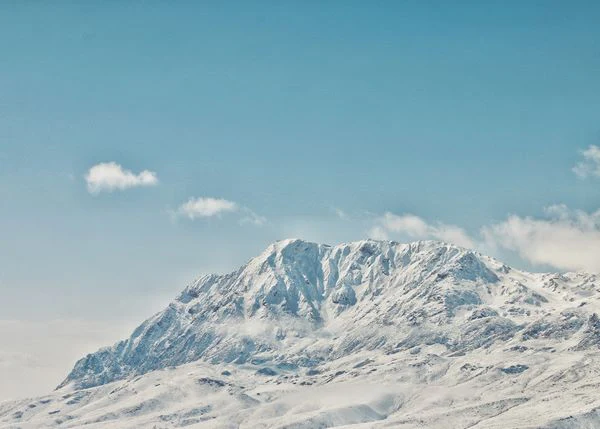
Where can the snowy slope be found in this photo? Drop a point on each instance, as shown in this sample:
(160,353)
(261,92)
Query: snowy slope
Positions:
(424,334)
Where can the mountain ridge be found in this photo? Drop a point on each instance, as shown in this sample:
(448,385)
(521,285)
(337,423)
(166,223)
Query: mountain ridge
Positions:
(297,288)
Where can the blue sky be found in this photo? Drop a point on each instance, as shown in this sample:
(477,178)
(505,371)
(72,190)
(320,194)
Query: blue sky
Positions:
(330,121)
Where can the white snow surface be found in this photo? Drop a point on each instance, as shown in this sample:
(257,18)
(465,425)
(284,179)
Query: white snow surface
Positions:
(358,335)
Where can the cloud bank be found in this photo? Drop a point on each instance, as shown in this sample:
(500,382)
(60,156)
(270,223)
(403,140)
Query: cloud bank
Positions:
(414,227)
(36,356)
(566,239)
(110,176)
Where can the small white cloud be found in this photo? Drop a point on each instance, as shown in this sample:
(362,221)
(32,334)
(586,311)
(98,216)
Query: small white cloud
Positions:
(412,226)
(206,207)
(110,176)
(566,239)
(590,166)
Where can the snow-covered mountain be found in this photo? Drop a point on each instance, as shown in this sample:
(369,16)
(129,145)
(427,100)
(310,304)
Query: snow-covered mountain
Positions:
(424,334)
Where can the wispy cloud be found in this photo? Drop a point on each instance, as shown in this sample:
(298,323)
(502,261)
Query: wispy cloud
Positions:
(414,227)
(207,207)
(590,165)
(340,213)
(252,218)
(566,239)
(110,176)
